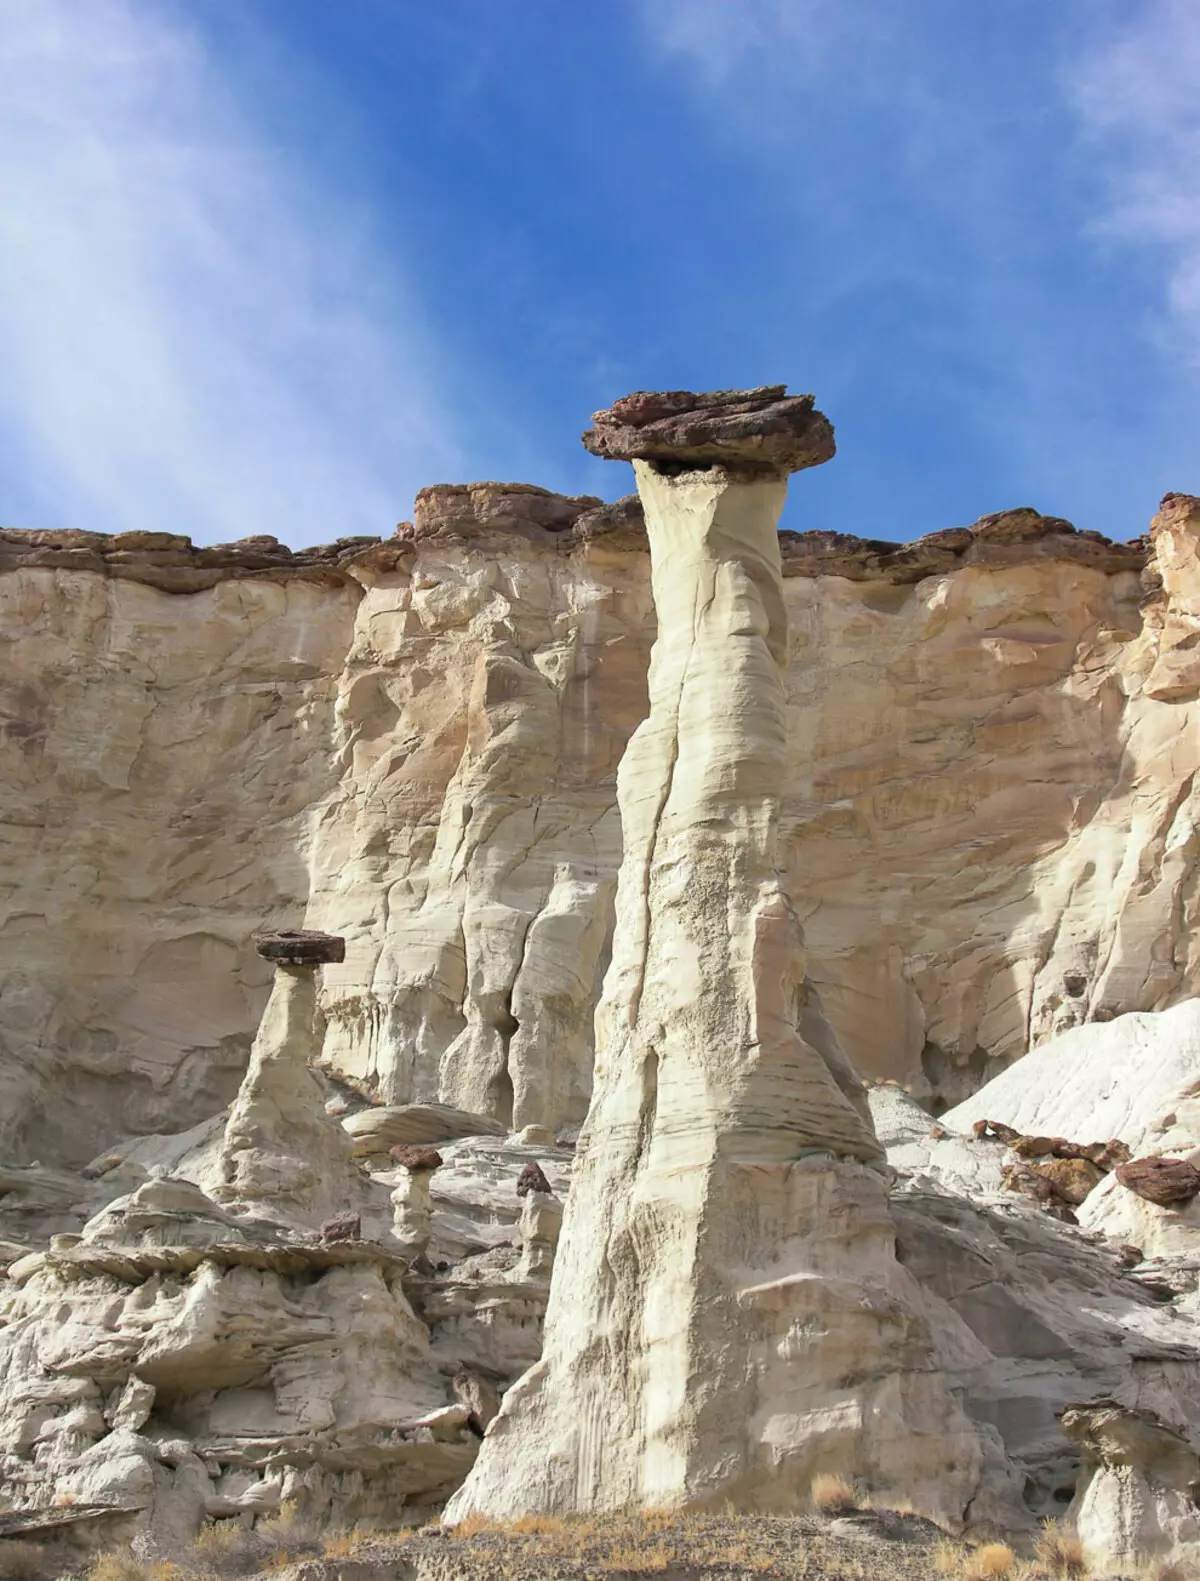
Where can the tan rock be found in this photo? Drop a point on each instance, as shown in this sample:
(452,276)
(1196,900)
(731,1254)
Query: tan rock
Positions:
(380,1129)
(456,706)
(160,757)
(412,1206)
(541,1227)
(1073,1179)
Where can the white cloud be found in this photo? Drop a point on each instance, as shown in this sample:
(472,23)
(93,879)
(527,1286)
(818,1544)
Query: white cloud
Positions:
(1136,94)
(194,336)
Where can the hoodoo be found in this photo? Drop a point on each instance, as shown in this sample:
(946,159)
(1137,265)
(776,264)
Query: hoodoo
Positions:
(726,1315)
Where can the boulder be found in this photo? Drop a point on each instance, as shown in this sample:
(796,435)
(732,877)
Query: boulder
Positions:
(1163,1181)
(391,1125)
(291,948)
(763,429)
(532,1178)
(1135,1505)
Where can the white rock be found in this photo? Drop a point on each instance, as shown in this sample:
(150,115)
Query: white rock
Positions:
(721,1221)
(281,1152)
(1108,1079)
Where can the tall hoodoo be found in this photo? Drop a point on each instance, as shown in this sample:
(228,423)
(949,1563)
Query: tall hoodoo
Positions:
(281,1151)
(726,1315)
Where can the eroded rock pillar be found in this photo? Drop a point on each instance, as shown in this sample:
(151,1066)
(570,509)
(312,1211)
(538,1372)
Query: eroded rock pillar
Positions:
(726,1314)
(281,1151)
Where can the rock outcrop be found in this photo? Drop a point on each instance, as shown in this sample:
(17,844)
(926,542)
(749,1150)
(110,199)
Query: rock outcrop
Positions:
(281,1152)
(418,740)
(724,1214)
(972,782)
(1136,1503)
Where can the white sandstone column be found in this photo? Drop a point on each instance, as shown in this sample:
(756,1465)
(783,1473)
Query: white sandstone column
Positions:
(726,1314)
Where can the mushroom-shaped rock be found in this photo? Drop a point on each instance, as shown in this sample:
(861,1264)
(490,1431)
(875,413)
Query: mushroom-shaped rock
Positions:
(377,1129)
(1164,1181)
(728,1210)
(541,1226)
(532,1178)
(412,1199)
(281,1152)
(292,948)
(1135,1499)
(763,430)
(416,1158)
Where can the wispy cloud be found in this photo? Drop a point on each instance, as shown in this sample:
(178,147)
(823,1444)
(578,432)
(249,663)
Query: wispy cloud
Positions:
(194,335)
(1135,90)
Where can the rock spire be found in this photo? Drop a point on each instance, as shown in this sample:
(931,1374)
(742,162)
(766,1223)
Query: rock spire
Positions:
(726,1313)
(281,1152)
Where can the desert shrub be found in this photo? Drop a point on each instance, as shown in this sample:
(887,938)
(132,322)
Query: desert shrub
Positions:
(833,1495)
(118,1564)
(227,1549)
(947,1558)
(987,1561)
(1059,1550)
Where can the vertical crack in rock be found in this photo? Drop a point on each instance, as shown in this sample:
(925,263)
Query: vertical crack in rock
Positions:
(727,1315)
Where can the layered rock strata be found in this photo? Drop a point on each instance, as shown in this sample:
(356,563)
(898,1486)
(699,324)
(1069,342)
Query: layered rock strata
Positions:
(726,1313)
(201,1351)
(418,739)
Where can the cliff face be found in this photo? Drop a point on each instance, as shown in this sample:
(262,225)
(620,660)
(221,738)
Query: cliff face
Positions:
(988,823)
(160,758)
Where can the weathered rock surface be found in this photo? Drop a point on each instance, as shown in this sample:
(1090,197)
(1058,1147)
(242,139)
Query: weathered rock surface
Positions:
(381,1128)
(986,825)
(281,1152)
(1103,1080)
(1136,1504)
(991,659)
(160,760)
(765,430)
(723,1216)
(423,747)
(1163,1181)
(1030,1315)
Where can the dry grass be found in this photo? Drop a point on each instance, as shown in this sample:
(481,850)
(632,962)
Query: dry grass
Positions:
(833,1495)
(988,1560)
(636,1543)
(947,1558)
(118,1564)
(653,1542)
(1059,1551)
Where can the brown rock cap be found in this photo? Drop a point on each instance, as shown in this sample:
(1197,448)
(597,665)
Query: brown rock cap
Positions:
(342,1227)
(1164,1181)
(290,948)
(415,1159)
(531,1178)
(763,431)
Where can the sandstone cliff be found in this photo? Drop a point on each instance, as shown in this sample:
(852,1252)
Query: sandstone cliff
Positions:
(987,822)
(968,773)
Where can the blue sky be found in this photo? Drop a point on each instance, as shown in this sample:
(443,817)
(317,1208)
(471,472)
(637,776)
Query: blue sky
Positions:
(272,265)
